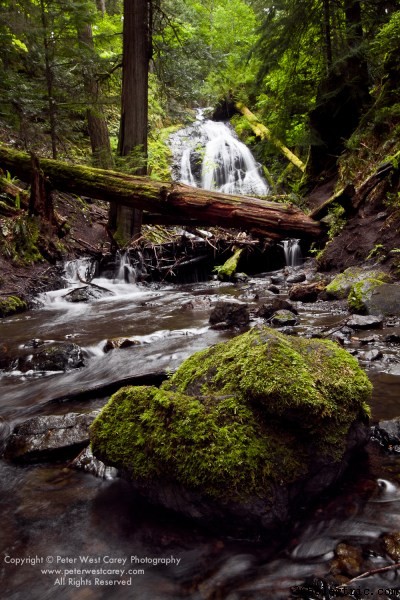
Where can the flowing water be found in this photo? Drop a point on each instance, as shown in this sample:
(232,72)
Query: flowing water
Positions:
(208,154)
(54,517)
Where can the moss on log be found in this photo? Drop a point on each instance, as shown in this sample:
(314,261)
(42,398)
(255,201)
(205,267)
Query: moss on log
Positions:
(175,201)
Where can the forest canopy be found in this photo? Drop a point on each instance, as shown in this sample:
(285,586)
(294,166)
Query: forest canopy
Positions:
(312,70)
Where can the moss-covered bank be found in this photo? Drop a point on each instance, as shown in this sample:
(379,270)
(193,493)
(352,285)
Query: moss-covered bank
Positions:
(10,305)
(238,418)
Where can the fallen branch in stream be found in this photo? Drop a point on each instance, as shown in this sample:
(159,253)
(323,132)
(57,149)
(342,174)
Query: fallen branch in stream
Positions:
(374,572)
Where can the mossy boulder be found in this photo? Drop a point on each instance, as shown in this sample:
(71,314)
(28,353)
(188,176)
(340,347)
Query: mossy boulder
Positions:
(342,284)
(242,430)
(362,291)
(10,305)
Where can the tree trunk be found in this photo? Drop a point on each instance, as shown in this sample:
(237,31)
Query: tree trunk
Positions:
(327,34)
(97,124)
(49,80)
(177,202)
(134,99)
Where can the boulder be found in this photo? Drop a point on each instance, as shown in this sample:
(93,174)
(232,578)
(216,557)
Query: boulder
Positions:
(342,284)
(296,278)
(229,314)
(361,293)
(365,322)
(284,318)
(384,300)
(387,435)
(54,357)
(243,433)
(10,305)
(53,436)
(307,292)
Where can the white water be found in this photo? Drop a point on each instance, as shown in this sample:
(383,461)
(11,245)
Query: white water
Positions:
(213,158)
(292,251)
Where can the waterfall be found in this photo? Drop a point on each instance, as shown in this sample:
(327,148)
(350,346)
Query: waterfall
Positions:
(209,155)
(292,251)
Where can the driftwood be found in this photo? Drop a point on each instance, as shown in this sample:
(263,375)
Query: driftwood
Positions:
(177,202)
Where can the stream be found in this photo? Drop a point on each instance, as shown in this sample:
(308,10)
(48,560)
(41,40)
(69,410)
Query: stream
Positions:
(55,517)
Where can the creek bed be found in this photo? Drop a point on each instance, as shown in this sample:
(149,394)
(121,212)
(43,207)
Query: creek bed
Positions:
(58,518)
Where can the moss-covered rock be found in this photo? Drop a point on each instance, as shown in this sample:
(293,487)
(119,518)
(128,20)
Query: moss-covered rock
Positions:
(342,284)
(361,292)
(226,271)
(246,425)
(10,305)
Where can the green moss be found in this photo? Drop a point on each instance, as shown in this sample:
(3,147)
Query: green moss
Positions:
(228,269)
(341,285)
(362,291)
(237,417)
(10,305)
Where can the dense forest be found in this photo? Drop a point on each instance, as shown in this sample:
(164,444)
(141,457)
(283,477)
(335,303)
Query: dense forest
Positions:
(105,83)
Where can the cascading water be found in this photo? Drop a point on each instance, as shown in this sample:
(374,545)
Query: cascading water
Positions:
(292,251)
(209,155)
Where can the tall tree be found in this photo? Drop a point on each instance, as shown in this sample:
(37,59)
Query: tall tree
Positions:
(134,99)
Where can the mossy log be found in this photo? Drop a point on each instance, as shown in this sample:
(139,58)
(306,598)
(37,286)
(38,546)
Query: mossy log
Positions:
(272,219)
(263,132)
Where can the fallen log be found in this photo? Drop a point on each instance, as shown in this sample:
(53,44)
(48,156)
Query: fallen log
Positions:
(263,132)
(176,201)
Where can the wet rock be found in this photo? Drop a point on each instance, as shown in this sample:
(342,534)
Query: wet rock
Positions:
(47,437)
(371,339)
(296,278)
(34,343)
(391,543)
(277,279)
(55,357)
(362,291)
(5,432)
(307,292)
(273,288)
(342,284)
(348,561)
(87,294)
(392,338)
(235,438)
(240,277)
(10,305)
(119,343)
(284,318)
(384,300)
(365,322)
(387,435)
(229,314)
(85,461)
(265,311)
(372,355)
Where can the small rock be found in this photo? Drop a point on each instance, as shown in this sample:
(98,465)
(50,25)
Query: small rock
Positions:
(47,437)
(119,343)
(87,294)
(229,314)
(273,288)
(373,355)
(391,542)
(392,338)
(387,434)
(55,357)
(34,343)
(308,292)
(348,561)
(365,322)
(296,278)
(265,311)
(277,279)
(87,462)
(284,318)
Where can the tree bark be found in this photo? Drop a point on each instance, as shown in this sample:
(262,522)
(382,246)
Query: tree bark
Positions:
(134,99)
(177,202)
(96,121)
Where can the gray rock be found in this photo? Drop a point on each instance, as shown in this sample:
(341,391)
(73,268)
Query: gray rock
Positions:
(55,357)
(119,343)
(265,311)
(284,318)
(53,436)
(372,355)
(87,462)
(296,278)
(229,314)
(87,294)
(384,300)
(365,322)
